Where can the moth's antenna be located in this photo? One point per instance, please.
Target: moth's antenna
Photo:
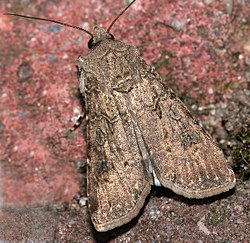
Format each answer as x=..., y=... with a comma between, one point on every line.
x=50, y=20
x=118, y=16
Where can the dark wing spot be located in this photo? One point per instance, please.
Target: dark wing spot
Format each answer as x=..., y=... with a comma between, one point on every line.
x=191, y=138
x=100, y=137
x=174, y=112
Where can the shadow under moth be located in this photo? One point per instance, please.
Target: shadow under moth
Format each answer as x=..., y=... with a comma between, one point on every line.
x=139, y=133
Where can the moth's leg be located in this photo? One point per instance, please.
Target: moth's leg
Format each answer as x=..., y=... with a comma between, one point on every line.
x=82, y=80
x=78, y=121
x=81, y=76
x=77, y=124
x=81, y=117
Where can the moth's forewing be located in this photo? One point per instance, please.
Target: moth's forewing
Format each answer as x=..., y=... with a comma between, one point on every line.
x=183, y=155
x=118, y=178
x=137, y=126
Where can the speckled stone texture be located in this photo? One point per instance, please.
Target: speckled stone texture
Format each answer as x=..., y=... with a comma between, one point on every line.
x=201, y=49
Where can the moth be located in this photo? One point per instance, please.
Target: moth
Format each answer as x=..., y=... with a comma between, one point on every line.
x=139, y=134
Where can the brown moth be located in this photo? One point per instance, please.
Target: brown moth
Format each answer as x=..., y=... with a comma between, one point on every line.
x=139, y=134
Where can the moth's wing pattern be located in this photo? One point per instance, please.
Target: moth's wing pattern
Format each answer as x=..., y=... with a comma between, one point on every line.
x=118, y=178
x=137, y=126
x=183, y=155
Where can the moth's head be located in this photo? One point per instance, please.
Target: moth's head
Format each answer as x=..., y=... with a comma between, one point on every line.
x=99, y=35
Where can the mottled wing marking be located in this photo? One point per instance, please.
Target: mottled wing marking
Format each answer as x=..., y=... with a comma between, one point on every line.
x=183, y=155
x=118, y=178
x=137, y=125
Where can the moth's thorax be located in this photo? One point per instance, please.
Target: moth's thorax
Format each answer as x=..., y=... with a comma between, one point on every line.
x=100, y=34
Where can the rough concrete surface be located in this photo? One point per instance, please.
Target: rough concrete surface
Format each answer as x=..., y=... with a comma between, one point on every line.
x=202, y=51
